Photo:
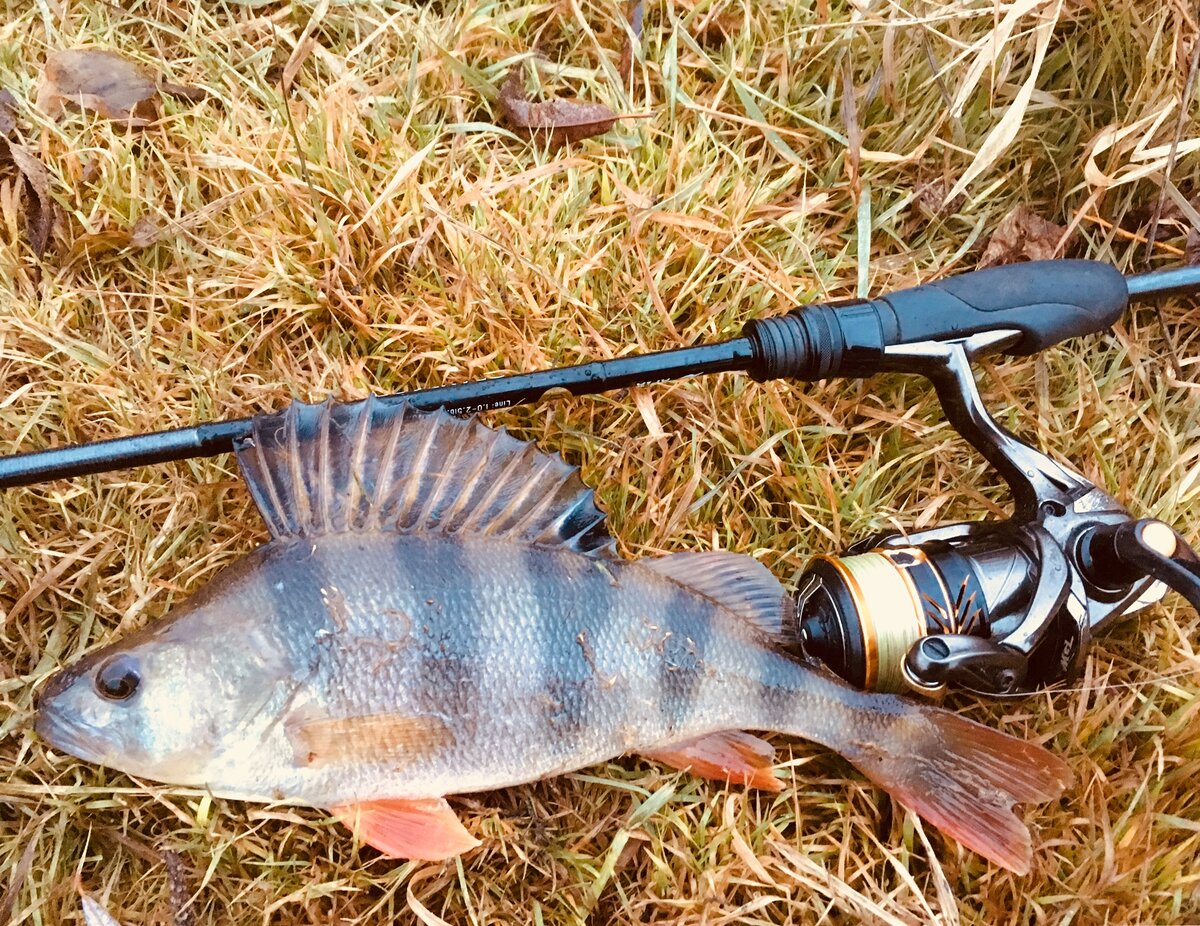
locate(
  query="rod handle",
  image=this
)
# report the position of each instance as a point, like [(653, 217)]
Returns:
[(1045, 301)]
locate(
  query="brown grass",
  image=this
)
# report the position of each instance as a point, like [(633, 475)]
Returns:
[(407, 242)]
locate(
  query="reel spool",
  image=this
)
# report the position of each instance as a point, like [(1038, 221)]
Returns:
[(863, 614)]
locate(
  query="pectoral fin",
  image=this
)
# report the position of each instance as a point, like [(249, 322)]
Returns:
[(728, 756), (426, 830), (398, 739)]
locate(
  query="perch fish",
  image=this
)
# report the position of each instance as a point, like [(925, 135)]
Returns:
[(440, 610)]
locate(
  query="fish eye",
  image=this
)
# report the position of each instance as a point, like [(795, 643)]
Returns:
[(118, 678)]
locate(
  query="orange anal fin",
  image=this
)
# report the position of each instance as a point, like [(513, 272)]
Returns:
[(727, 756), (426, 830)]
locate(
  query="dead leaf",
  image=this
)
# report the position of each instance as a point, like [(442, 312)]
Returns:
[(931, 198), (8, 116), (636, 15), (1022, 235), (145, 232), (560, 120), (103, 81), (39, 205), (1191, 248), (184, 91)]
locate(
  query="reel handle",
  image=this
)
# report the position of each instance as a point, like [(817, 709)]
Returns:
[(1123, 553), (970, 663)]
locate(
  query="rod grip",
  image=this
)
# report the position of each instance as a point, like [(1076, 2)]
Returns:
[(1047, 301)]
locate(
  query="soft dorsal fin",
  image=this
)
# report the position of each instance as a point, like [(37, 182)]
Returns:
[(381, 465), (734, 581)]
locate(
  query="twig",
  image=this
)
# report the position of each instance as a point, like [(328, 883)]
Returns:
[(1152, 232)]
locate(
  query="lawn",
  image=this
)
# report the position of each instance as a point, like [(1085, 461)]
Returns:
[(332, 203)]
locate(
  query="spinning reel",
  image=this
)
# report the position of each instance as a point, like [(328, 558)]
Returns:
[(998, 608), (1003, 608)]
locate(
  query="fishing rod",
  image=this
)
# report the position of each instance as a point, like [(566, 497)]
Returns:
[(1001, 608), (846, 338)]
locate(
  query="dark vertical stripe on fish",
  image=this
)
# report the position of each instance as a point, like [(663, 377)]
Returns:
[(774, 692), (681, 665), (451, 649), (293, 575), (579, 656)]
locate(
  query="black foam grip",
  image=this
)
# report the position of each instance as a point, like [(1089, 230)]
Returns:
[(1047, 301)]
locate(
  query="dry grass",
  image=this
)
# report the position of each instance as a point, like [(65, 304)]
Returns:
[(408, 242)]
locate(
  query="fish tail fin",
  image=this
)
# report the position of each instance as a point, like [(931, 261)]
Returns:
[(965, 778)]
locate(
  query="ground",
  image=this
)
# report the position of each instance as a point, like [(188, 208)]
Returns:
[(337, 212)]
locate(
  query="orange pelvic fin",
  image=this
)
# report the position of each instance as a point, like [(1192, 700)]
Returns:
[(727, 756), (964, 778), (427, 830)]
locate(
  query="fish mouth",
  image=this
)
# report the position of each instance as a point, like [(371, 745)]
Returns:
[(51, 724)]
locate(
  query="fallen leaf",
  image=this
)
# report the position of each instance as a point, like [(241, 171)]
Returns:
[(561, 120), (1022, 235), (103, 81), (184, 91), (1191, 247), (931, 198), (145, 232), (8, 116), (633, 39), (39, 205)]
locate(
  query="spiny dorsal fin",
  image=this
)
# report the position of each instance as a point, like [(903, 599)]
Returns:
[(734, 581), (381, 465)]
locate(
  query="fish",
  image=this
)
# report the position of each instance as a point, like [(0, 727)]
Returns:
[(94, 913), (441, 609)]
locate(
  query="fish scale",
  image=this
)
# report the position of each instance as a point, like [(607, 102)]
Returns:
[(440, 610)]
